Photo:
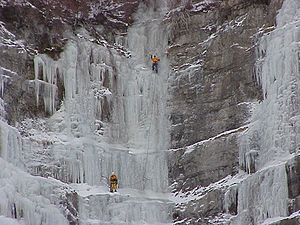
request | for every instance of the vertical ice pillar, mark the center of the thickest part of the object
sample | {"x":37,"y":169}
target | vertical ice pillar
{"x":139,"y":119}
{"x":46,"y":81}
{"x":11,"y":148}
{"x":273,"y":136}
{"x":274,"y":131}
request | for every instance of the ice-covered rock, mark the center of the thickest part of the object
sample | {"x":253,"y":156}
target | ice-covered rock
{"x":106,"y":112}
{"x":78,"y":100}
{"x":267,"y":147}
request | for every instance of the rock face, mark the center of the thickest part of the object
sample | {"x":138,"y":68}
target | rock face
{"x":214,"y":84}
{"x":191,"y":164}
{"x":293,"y":171}
{"x":29,"y":27}
{"x":212,"y":55}
{"x":219,"y":123}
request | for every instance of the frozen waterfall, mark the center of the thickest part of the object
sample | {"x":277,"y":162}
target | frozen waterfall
{"x":96,"y":77}
{"x":273,"y":135}
{"x":112,"y":118}
{"x":108,"y":113}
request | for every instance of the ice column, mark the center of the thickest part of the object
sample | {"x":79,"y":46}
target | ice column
{"x":45,"y":81}
{"x":29,"y":199}
{"x":273,"y":135}
{"x":139,"y":121}
{"x":11,"y":145}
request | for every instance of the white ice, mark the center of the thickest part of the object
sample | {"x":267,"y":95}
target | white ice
{"x":9,"y":221}
{"x":28,"y":199}
{"x":79,"y":145}
{"x":273,"y":134}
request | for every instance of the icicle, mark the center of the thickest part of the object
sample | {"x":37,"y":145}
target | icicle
{"x":3,"y":80}
{"x":2,"y":86}
{"x":37,"y":62}
{"x":25,"y":197}
{"x":267,"y":203}
{"x":11,"y":145}
{"x":272,"y":135}
{"x":46,"y":81}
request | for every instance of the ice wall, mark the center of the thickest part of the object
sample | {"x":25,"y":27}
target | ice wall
{"x":273,"y":134}
{"x":31,"y":200}
{"x":107,"y":112}
{"x":275,"y":118}
{"x":97,"y":79}
{"x":139,"y":115}
{"x":11,"y":145}
{"x":141,"y":99}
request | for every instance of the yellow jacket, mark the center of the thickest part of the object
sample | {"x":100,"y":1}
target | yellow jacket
{"x":154,"y":59}
{"x":113,"y":178}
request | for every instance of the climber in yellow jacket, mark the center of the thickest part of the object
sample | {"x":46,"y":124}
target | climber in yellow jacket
{"x":155,"y":64}
{"x":113,"y":182}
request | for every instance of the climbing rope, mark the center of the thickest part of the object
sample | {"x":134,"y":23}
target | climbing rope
{"x":148,"y":136}
{"x":144,"y":177}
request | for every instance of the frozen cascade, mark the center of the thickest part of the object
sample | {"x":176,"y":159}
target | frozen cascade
{"x":137,"y":136}
{"x":272,"y":137}
{"x":139,"y":116}
{"x":28,"y":198}
{"x":11,"y":145}
{"x":78,"y":145}
{"x":278,"y":71}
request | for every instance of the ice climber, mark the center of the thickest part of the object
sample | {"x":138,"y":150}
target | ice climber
{"x":155,"y":64}
{"x":113,"y":182}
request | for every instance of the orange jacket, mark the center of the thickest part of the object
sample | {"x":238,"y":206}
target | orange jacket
{"x":154,"y":59}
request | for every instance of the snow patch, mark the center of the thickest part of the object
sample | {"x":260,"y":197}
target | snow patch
{"x":191,"y":148}
{"x":9,"y":221}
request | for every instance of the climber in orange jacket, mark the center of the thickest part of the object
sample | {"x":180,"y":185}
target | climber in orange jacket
{"x":113,"y":182}
{"x":155,"y":64}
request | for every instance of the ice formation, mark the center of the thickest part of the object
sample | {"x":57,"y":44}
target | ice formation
{"x":259,"y":193}
{"x":78,"y":144}
{"x":78,"y":147}
{"x":272,"y":137}
{"x":29,"y":198}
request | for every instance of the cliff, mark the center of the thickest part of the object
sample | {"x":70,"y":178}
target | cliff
{"x":212,"y":138}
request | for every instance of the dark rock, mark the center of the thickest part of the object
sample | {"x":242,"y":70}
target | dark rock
{"x":293,"y":178}
{"x":199,"y":211}
{"x":293,"y":174}
{"x":19,"y":94}
{"x":207,"y":163}
{"x":212,"y":56}
{"x":208,"y":95}
{"x":71,"y":204}
{"x":43,"y":28}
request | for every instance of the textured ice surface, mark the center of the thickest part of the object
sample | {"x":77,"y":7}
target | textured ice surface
{"x":9,"y":221}
{"x":146,"y":207}
{"x":273,"y":135}
{"x":78,"y":144}
{"x":27,"y":197}
{"x":136,"y":138}
{"x":263,"y":195}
